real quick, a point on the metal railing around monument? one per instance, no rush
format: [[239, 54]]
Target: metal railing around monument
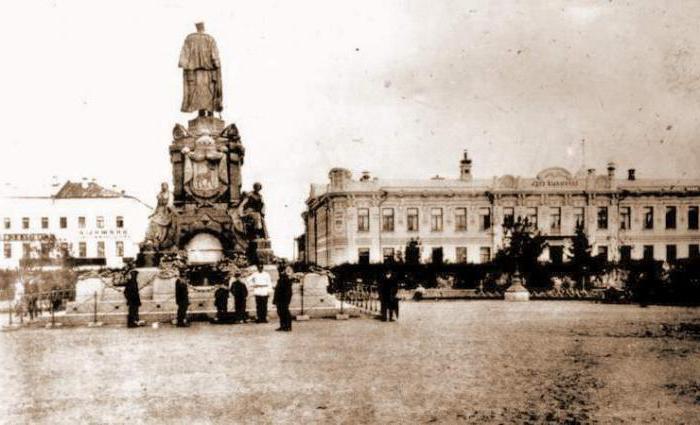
[[362, 296]]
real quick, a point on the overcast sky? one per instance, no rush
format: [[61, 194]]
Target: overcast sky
[[399, 88]]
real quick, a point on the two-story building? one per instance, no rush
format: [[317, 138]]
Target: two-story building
[[95, 225], [461, 220]]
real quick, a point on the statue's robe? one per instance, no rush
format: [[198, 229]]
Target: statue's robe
[[199, 60]]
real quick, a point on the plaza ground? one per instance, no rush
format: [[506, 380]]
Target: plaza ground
[[442, 362]]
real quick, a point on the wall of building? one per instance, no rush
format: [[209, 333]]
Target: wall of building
[[100, 226], [334, 235]]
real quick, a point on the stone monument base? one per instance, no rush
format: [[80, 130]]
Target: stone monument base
[[97, 301], [517, 296], [517, 291]]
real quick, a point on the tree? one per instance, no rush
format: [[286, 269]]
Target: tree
[[523, 246], [412, 255], [579, 254]]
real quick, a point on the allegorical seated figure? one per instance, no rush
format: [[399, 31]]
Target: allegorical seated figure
[[160, 227], [252, 212]]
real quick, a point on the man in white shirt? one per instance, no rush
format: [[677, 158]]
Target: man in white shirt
[[261, 283]]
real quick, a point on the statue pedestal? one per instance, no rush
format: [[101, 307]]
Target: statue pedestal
[[212, 125], [517, 291], [263, 250], [164, 288]]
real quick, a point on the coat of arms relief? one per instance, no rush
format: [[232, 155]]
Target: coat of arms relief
[[206, 175]]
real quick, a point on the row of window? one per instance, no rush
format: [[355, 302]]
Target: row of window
[[412, 219], [437, 254], [63, 222], [556, 253], [436, 218], [44, 250]]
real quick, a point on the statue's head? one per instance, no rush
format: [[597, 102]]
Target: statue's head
[[257, 187], [199, 26], [164, 187]]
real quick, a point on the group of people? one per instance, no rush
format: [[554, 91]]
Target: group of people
[[260, 282], [29, 298]]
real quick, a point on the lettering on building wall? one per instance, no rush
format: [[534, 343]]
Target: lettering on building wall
[[103, 234], [554, 183], [13, 237]]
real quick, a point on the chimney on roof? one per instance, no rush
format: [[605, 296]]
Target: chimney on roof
[[611, 170], [365, 176], [630, 174], [339, 178], [465, 168]]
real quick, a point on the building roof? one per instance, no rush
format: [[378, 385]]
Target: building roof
[[553, 179], [69, 190], [85, 190]]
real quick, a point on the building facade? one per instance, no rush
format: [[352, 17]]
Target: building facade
[[461, 220], [94, 225]]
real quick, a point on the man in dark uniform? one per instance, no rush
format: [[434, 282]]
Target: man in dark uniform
[[240, 294], [32, 299], [133, 299], [388, 288], [221, 303], [183, 301], [282, 298]]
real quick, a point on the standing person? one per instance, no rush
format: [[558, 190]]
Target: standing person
[[262, 286], [32, 297], [282, 298], [182, 298], [221, 303], [18, 300], [388, 288], [240, 295], [394, 309], [133, 299]]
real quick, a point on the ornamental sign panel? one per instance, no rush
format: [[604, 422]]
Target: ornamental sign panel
[[555, 178]]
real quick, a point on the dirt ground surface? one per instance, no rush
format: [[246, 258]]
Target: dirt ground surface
[[442, 362]]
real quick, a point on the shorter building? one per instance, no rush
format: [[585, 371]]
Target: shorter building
[[461, 220], [94, 225]]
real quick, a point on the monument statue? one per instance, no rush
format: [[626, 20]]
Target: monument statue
[[252, 209], [199, 60], [208, 215], [160, 227]]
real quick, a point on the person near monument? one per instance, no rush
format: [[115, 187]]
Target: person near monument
[[388, 288], [32, 299], [240, 294], [221, 303], [283, 297], [133, 300], [201, 67], [261, 282], [182, 299]]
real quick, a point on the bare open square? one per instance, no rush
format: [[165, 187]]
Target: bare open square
[[470, 362]]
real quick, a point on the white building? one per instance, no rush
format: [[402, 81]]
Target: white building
[[461, 219], [95, 225]]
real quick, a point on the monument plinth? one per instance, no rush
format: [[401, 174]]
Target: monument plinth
[[517, 290], [208, 215]]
